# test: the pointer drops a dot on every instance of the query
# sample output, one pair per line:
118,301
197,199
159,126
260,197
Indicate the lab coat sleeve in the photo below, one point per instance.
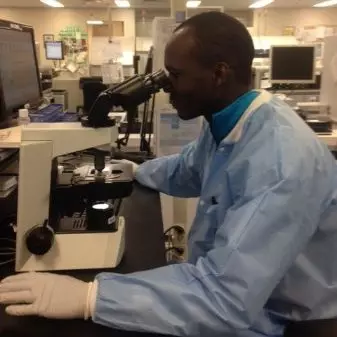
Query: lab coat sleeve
176,175
260,237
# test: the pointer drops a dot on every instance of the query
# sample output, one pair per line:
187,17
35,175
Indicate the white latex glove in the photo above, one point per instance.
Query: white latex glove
47,295
125,161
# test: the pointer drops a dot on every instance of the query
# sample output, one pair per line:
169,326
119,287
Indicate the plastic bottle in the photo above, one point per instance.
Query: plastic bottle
23,117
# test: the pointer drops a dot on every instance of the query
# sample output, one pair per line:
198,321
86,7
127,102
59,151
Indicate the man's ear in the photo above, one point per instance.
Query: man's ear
221,73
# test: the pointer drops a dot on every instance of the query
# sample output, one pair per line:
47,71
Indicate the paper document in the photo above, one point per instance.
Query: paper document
5,194
103,51
112,73
7,182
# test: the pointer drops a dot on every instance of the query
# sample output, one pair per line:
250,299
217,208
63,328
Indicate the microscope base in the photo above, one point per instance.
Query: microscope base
79,251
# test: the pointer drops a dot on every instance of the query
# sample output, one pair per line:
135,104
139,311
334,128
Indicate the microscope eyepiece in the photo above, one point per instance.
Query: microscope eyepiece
128,94
159,80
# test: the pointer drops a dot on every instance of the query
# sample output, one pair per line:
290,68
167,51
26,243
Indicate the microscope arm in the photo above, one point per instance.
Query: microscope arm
128,94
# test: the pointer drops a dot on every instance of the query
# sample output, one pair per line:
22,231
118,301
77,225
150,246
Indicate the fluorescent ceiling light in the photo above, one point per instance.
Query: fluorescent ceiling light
193,4
95,22
261,3
52,3
326,3
122,3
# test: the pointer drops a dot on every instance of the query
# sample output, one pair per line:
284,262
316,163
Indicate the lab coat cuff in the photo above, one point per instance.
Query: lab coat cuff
91,300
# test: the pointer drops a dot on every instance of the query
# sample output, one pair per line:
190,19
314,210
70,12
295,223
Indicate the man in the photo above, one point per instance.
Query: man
265,230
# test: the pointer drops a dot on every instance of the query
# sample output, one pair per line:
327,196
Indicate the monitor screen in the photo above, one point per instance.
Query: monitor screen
54,50
19,76
292,64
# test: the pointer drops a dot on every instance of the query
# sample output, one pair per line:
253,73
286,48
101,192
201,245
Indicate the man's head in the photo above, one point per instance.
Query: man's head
209,59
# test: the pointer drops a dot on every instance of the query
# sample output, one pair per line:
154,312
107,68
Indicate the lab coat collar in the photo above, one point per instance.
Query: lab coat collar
235,135
224,121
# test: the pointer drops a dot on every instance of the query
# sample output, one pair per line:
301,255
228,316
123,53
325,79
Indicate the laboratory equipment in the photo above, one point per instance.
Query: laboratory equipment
54,50
19,75
55,195
262,53
91,89
61,97
320,124
23,117
67,212
128,95
292,64
317,108
46,80
316,115
74,223
71,83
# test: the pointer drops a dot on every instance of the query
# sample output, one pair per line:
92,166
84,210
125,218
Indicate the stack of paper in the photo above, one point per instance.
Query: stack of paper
7,185
5,153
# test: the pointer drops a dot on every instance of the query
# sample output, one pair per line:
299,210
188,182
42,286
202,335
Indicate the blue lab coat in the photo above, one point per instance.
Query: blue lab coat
263,244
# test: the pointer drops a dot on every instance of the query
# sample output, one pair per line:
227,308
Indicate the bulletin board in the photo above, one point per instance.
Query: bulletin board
75,41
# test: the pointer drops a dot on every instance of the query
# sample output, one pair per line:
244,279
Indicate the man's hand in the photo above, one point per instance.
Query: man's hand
44,294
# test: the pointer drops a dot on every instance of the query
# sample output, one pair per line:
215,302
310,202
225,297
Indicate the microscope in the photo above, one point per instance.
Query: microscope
67,214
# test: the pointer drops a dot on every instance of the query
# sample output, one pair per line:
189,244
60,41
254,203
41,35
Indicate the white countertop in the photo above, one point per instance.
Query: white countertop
11,138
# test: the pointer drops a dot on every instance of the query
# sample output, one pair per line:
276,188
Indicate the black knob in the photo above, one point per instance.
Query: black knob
40,240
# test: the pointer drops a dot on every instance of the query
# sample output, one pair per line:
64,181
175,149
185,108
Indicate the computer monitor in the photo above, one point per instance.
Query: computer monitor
19,73
292,64
54,50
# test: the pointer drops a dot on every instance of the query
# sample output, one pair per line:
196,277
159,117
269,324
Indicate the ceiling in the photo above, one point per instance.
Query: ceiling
227,4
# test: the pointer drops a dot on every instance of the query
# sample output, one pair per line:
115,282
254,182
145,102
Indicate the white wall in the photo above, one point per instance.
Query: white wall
273,21
269,21
53,20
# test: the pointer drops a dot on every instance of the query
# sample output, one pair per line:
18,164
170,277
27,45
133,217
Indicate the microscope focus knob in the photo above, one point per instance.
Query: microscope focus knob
40,239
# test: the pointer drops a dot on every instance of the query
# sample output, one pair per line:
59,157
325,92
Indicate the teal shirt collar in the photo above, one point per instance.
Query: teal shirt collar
223,122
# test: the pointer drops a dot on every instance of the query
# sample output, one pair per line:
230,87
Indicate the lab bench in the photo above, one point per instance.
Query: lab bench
144,250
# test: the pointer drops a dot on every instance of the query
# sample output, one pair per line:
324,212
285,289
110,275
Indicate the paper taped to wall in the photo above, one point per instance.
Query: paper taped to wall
103,51
112,73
